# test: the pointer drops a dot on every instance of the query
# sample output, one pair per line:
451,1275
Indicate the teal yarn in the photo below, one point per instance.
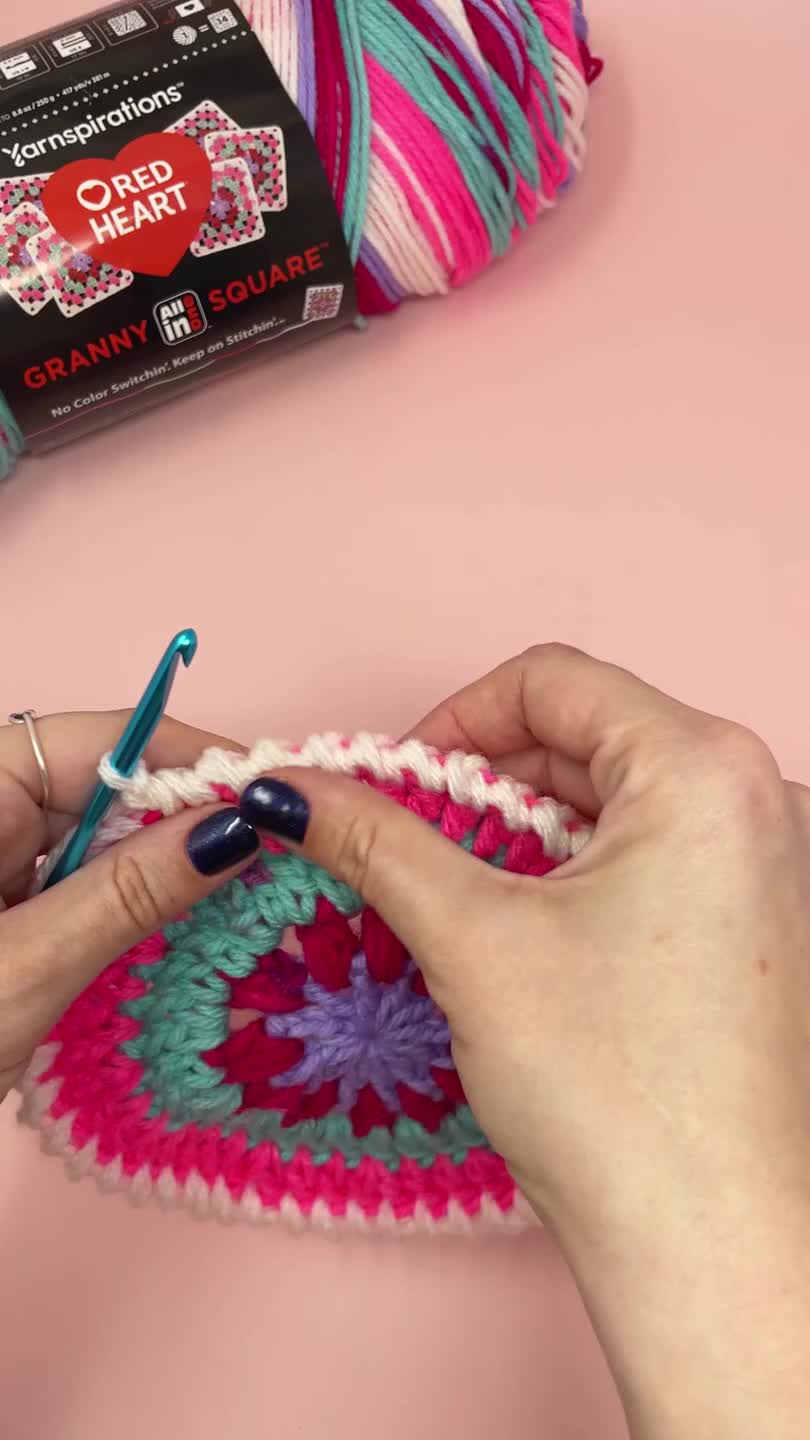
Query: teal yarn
12,443
356,194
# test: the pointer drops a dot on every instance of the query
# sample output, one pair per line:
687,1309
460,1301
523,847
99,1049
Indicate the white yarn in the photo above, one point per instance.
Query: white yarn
467,779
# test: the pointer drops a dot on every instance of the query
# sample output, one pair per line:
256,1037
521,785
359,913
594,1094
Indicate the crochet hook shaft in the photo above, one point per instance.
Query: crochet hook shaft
130,748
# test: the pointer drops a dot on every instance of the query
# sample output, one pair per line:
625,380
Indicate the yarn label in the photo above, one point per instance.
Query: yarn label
164,215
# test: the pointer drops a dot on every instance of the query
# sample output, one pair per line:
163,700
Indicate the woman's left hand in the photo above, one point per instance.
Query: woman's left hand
53,945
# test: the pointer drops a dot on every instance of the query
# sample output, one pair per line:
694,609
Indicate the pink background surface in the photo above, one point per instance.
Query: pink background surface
603,442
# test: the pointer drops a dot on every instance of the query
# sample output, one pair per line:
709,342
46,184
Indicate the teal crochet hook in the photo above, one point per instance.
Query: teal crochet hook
129,750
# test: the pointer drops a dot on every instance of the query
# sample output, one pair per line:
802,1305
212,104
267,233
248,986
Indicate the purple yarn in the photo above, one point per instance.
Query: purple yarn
377,267
255,874
289,973
367,1034
505,33
513,11
307,82
580,21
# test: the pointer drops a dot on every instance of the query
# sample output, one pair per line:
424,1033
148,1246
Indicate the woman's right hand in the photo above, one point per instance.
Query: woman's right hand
633,1031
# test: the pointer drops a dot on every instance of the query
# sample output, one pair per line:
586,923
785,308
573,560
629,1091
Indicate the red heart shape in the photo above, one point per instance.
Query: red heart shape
137,212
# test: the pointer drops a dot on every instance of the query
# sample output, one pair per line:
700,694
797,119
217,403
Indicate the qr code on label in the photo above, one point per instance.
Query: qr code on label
127,24
323,302
222,20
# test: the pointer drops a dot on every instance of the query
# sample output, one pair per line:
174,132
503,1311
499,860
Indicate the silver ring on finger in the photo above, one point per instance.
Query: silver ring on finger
28,719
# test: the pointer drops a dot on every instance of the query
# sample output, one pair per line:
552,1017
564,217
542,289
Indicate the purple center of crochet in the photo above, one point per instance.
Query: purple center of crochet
367,1034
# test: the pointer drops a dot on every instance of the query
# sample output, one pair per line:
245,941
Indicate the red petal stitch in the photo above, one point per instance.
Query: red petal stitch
328,947
237,1043
258,1095
260,992
385,954
421,1108
270,1055
250,1054
313,1107
450,1083
369,1112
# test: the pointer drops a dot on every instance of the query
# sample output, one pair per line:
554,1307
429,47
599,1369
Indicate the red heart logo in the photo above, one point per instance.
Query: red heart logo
138,212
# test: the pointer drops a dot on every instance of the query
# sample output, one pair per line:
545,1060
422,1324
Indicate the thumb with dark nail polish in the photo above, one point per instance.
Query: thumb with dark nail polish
274,806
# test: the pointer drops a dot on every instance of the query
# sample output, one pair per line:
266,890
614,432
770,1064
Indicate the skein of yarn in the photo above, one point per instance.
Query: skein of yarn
444,127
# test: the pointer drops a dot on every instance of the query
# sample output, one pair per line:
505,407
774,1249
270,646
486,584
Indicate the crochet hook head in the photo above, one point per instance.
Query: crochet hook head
152,706
130,749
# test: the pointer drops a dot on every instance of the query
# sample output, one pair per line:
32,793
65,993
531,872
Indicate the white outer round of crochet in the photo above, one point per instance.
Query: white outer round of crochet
467,779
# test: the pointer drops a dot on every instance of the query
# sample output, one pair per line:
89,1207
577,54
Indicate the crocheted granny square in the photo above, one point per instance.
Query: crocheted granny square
275,1051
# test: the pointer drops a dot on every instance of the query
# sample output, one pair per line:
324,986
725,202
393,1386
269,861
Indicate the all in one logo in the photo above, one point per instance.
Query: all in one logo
180,318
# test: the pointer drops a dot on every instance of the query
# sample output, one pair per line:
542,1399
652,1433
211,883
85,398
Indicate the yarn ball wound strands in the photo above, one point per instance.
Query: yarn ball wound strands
445,127
274,1054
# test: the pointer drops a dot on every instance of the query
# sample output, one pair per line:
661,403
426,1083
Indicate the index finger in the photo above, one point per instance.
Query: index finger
74,744
553,696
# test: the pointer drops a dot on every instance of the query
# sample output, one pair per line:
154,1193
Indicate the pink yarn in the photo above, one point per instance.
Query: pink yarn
430,159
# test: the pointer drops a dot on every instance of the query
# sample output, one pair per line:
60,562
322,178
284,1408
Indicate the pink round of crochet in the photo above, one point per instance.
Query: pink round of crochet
275,1052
